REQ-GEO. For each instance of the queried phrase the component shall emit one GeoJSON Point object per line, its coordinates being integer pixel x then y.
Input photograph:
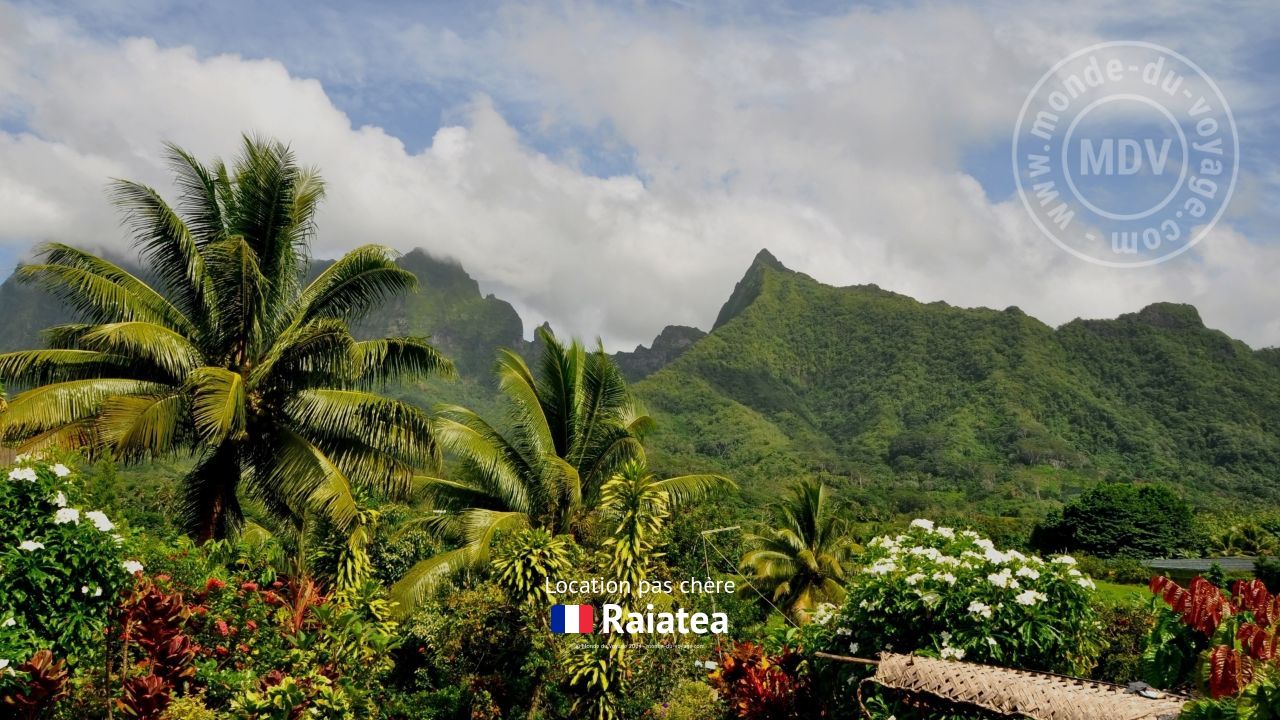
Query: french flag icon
{"type": "Point", "coordinates": [572, 619]}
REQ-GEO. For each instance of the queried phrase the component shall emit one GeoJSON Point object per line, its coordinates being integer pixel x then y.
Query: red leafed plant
{"type": "Point", "coordinates": [152, 624]}
{"type": "Point", "coordinates": [46, 685]}
{"type": "Point", "coordinates": [1229, 671]}
{"type": "Point", "coordinates": [1203, 607]}
{"type": "Point", "coordinates": [1201, 604]}
{"type": "Point", "coordinates": [145, 696]}
{"type": "Point", "coordinates": [759, 686]}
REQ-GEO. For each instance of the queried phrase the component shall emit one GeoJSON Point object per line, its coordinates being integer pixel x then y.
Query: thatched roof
{"type": "Point", "coordinates": [1021, 693]}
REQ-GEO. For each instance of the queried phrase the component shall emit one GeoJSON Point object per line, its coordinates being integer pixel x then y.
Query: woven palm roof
{"type": "Point", "coordinates": [1022, 693]}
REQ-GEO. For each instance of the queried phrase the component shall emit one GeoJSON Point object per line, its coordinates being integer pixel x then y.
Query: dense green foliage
{"type": "Point", "coordinates": [1113, 519]}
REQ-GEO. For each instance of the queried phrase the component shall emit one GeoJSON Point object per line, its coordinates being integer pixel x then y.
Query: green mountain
{"type": "Point", "coordinates": [912, 405]}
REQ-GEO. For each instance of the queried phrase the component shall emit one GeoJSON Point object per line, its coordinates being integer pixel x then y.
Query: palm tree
{"type": "Point", "coordinates": [568, 430]}
{"type": "Point", "coordinates": [229, 356]}
{"type": "Point", "coordinates": [802, 562]}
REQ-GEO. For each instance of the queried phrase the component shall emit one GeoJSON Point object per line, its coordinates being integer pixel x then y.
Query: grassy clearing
{"type": "Point", "coordinates": [1119, 594]}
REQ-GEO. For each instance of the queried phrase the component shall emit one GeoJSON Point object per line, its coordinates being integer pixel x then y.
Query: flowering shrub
{"type": "Point", "coordinates": [61, 569]}
{"type": "Point", "coordinates": [952, 594]}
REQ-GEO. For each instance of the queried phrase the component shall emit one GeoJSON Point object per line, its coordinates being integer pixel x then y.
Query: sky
{"type": "Point", "coordinates": [613, 167]}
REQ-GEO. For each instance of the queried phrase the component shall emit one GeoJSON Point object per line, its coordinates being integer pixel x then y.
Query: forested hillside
{"type": "Point", "coordinates": [915, 404]}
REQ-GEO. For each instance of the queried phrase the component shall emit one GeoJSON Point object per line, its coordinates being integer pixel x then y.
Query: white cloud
{"type": "Point", "coordinates": [837, 144]}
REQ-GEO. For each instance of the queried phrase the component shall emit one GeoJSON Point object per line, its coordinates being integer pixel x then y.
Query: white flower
{"type": "Point", "coordinates": [1015, 555]}
{"type": "Point", "coordinates": [4, 665]}
{"type": "Point", "coordinates": [931, 598]}
{"type": "Point", "coordinates": [843, 631]}
{"type": "Point", "coordinates": [984, 543]}
{"type": "Point", "coordinates": [84, 589]}
{"type": "Point", "coordinates": [980, 608]}
{"type": "Point", "coordinates": [1074, 572]}
{"type": "Point", "coordinates": [969, 534]}
{"type": "Point", "coordinates": [1030, 597]}
{"type": "Point", "coordinates": [100, 520]}
{"type": "Point", "coordinates": [1003, 579]}
{"type": "Point", "coordinates": [880, 567]}
{"type": "Point", "coordinates": [133, 567]}
{"type": "Point", "coordinates": [1027, 572]}
{"type": "Point", "coordinates": [1085, 583]}
{"type": "Point", "coordinates": [23, 473]}
{"type": "Point", "coordinates": [950, 652]}
{"type": "Point", "coordinates": [946, 637]}
{"type": "Point", "coordinates": [30, 545]}
{"type": "Point", "coordinates": [60, 499]}
{"type": "Point", "coordinates": [61, 470]}
{"type": "Point", "coordinates": [853, 648]}
{"type": "Point", "coordinates": [1065, 560]}
{"type": "Point", "coordinates": [9, 622]}
{"type": "Point", "coordinates": [67, 515]}
{"type": "Point", "coordinates": [915, 579]}
{"type": "Point", "coordinates": [945, 577]}
{"type": "Point", "coordinates": [922, 523]}
{"type": "Point", "coordinates": [946, 532]}
{"type": "Point", "coordinates": [991, 641]}
{"type": "Point", "coordinates": [931, 553]}
{"type": "Point", "coordinates": [995, 556]}
{"type": "Point", "coordinates": [97, 592]}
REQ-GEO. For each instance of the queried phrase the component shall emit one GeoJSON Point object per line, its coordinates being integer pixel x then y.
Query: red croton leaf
{"type": "Point", "coordinates": [1229, 671]}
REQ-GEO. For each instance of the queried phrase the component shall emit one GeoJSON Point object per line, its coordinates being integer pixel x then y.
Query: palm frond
{"type": "Point", "coordinates": [377, 362]}
{"type": "Point", "coordinates": [424, 577]}
{"type": "Point", "coordinates": [140, 427]}
{"type": "Point", "coordinates": [52, 406]}
{"type": "Point", "coordinates": [147, 305]}
{"type": "Point", "coordinates": [394, 427]}
{"type": "Point", "coordinates": [166, 247]}
{"type": "Point", "coordinates": [218, 403]}
{"type": "Point", "coordinates": [686, 489]}
{"type": "Point", "coordinates": [358, 281]}
{"type": "Point", "coordinates": [41, 367]}
{"type": "Point", "coordinates": [145, 343]}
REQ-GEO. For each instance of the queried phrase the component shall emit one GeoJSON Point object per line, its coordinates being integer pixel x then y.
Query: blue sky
{"type": "Point", "coordinates": [556, 148]}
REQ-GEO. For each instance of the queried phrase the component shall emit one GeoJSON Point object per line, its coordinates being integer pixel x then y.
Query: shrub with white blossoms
{"type": "Point", "coordinates": [952, 594]}
{"type": "Point", "coordinates": [62, 567]}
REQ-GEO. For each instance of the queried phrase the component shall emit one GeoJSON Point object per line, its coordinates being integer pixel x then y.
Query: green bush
{"type": "Point", "coordinates": [690, 700]}
{"type": "Point", "coordinates": [1125, 628]}
{"type": "Point", "coordinates": [952, 594]}
{"type": "Point", "coordinates": [1267, 569]}
{"type": "Point", "coordinates": [1142, 521]}
{"type": "Point", "coordinates": [189, 707]}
